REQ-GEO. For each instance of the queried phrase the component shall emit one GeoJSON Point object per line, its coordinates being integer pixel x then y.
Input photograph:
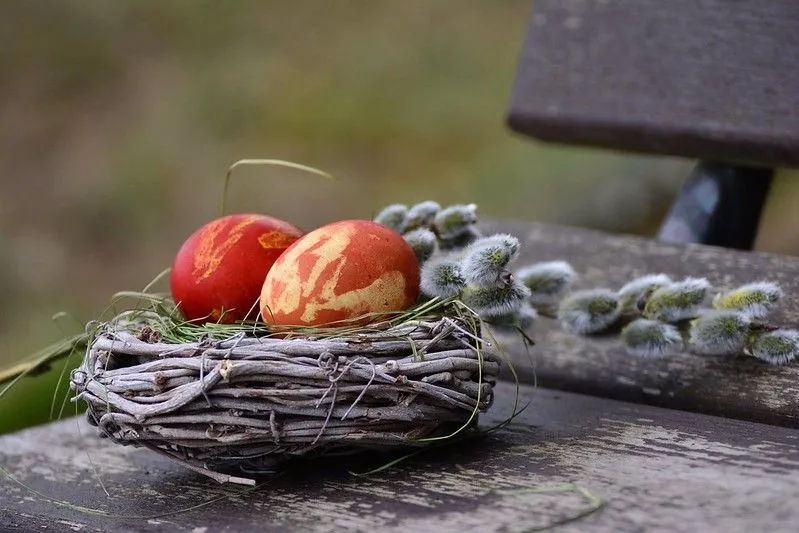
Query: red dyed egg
{"type": "Point", "coordinates": [339, 272]}
{"type": "Point", "coordinates": [218, 272]}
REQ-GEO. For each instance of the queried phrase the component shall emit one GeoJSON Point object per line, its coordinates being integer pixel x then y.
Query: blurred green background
{"type": "Point", "coordinates": [119, 120]}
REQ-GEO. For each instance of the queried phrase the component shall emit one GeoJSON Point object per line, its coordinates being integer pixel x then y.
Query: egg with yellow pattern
{"type": "Point", "coordinates": [340, 272]}
{"type": "Point", "coordinates": [219, 270]}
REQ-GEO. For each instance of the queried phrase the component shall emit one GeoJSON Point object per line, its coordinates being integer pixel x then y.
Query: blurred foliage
{"type": "Point", "coordinates": [119, 120]}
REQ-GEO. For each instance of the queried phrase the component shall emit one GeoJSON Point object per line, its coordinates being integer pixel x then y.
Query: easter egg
{"type": "Point", "coordinates": [340, 272]}
{"type": "Point", "coordinates": [219, 270]}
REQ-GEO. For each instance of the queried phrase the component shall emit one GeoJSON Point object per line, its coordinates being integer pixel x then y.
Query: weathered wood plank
{"type": "Point", "coordinates": [656, 470]}
{"type": "Point", "coordinates": [713, 79]}
{"type": "Point", "coordinates": [742, 388]}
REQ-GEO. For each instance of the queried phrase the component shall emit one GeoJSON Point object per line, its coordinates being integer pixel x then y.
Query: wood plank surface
{"type": "Point", "coordinates": [711, 79]}
{"type": "Point", "coordinates": [742, 388]}
{"type": "Point", "coordinates": [654, 469]}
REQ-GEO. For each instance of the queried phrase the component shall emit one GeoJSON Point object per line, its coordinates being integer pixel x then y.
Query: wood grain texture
{"type": "Point", "coordinates": [740, 387]}
{"type": "Point", "coordinates": [656, 470]}
{"type": "Point", "coordinates": [711, 79]}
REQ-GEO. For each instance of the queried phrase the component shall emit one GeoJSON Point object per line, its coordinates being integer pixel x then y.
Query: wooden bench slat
{"type": "Point", "coordinates": [656, 470]}
{"type": "Point", "coordinates": [712, 79]}
{"type": "Point", "coordinates": [743, 388]}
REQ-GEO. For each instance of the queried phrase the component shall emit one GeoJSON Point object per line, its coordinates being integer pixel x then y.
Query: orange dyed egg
{"type": "Point", "coordinates": [218, 272]}
{"type": "Point", "coordinates": [339, 272]}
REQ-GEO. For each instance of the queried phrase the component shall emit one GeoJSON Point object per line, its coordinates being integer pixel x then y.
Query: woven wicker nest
{"type": "Point", "coordinates": [250, 400]}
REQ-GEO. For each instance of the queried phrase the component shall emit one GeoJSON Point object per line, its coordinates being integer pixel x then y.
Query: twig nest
{"type": "Point", "coordinates": [246, 399]}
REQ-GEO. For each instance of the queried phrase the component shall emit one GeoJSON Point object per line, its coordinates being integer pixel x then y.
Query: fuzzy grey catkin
{"type": "Point", "coordinates": [455, 221]}
{"type": "Point", "coordinates": [775, 347]}
{"type": "Point", "coordinates": [469, 236]}
{"type": "Point", "coordinates": [442, 277]}
{"type": "Point", "coordinates": [420, 215]}
{"type": "Point", "coordinates": [548, 281]}
{"type": "Point", "coordinates": [677, 301]}
{"type": "Point", "coordinates": [423, 242]}
{"type": "Point", "coordinates": [755, 300]}
{"type": "Point", "coordinates": [719, 333]}
{"type": "Point", "coordinates": [524, 318]}
{"type": "Point", "coordinates": [589, 311]}
{"type": "Point", "coordinates": [506, 240]}
{"type": "Point", "coordinates": [526, 315]}
{"type": "Point", "coordinates": [650, 338]}
{"type": "Point", "coordinates": [485, 259]}
{"type": "Point", "coordinates": [496, 299]}
{"type": "Point", "coordinates": [633, 292]}
{"type": "Point", "coordinates": [392, 216]}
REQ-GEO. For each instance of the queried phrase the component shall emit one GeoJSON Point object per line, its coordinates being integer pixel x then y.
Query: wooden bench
{"type": "Point", "coordinates": [712, 80]}
{"type": "Point", "coordinates": [654, 467]}
{"type": "Point", "coordinates": [684, 443]}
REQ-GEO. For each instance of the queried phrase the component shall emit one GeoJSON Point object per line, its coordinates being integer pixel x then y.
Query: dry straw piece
{"type": "Point", "coordinates": [247, 401]}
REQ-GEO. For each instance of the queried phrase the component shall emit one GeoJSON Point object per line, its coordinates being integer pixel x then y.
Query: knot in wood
{"type": "Point", "coordinates": [160, 381]}
{"type": "Point", "coordinates": [149, 335]}
{"type": "Point", "coordinates": [226, 369]}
